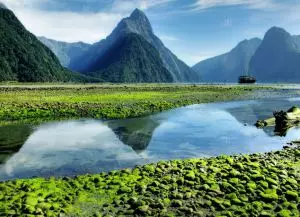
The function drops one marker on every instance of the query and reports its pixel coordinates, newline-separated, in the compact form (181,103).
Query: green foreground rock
(242,185)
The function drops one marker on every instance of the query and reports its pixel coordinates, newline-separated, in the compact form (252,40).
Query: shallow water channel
(72,147)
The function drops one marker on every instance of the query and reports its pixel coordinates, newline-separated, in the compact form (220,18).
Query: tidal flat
(34,102)
(259,184)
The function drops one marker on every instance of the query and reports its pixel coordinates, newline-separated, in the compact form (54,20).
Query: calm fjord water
(66,148)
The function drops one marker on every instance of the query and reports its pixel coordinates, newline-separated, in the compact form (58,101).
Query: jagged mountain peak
(137,22)
(138,14)
(2,6)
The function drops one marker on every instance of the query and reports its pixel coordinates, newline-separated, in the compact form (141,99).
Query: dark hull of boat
(246,80)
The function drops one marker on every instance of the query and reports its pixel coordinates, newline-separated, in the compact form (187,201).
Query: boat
(246,79)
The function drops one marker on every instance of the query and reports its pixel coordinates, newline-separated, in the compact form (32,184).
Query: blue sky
(193,29)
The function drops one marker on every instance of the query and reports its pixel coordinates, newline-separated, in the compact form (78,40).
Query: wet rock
(269,195)
(176,203)
(292,195)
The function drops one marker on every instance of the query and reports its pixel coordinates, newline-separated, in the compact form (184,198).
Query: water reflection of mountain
(12,137)
(136,133)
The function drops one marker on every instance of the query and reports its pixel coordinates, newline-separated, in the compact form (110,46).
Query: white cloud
(74,26)
(128,5)
(69,26)
(255,4)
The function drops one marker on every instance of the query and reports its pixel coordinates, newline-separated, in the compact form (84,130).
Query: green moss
(190,175)
(176,203)
(285,213)
(269,195)
(149,168)
(271,181)
(292,195)
(182,188)
(39,103)
(251,185)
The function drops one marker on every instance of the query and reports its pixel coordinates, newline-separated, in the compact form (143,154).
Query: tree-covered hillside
(24,58)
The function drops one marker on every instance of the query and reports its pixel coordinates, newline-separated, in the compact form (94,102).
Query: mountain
(65,51)
(277,59)
(139,24)
(229,66)
(131,59)
(297,40)
(24,58)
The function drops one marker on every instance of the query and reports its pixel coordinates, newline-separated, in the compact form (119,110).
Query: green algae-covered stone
(284,213)
(149,168)
(269,195)
(176,203)
(292,195)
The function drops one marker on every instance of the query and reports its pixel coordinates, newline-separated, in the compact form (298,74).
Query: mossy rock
(269,195)
(292,195)
(284,213)
(271,181)
(149,168)
(176,203)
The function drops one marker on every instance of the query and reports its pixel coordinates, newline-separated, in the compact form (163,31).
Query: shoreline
(265,184)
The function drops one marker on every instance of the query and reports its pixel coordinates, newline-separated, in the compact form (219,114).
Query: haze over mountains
(64,51)
(273,59)
(229,66)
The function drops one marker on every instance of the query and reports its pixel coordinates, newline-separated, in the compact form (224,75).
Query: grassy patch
(106,101)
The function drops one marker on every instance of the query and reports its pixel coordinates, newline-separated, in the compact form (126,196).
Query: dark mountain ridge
(277,59)
(131,59)
(24,58)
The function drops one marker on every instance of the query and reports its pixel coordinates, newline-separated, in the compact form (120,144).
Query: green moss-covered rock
(269,195)
(196,187)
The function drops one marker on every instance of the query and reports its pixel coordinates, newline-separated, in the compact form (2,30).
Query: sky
(193,29)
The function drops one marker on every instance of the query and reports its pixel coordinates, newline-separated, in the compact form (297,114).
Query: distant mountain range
(229,66)
(133,53)
(273,59)
(24,58)
(277,59)
(87,62)
(65,51)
